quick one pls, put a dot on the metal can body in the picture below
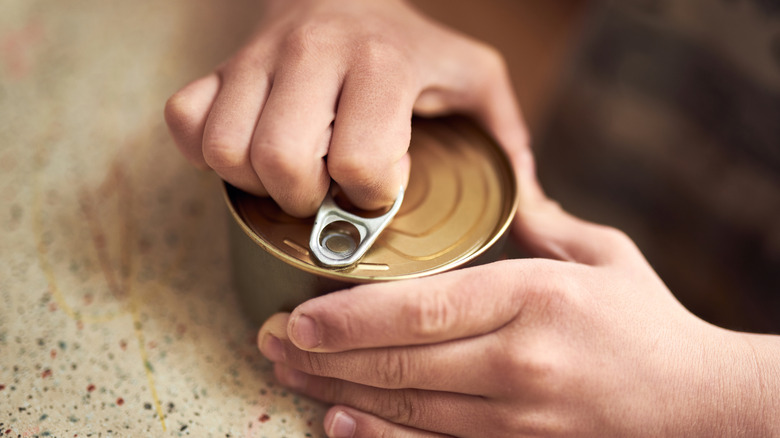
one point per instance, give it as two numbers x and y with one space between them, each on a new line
459 203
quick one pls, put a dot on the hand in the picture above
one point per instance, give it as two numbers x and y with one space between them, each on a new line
338 79
589 344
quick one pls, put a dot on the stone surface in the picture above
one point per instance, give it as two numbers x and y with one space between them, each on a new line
116 313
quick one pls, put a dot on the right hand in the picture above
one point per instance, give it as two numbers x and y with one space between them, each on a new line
339 79
583 341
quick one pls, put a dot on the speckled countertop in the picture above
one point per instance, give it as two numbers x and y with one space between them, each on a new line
116 313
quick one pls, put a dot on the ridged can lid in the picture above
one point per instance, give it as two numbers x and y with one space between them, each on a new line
459 202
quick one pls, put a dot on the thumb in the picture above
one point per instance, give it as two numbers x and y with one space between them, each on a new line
544 229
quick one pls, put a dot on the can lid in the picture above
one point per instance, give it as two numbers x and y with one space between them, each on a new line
460 200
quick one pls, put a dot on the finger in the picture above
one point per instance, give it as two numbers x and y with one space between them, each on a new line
544 229
186 113
346 422
452 305
486 93
230 125
368 155
493 103
293 136
460 366
441 412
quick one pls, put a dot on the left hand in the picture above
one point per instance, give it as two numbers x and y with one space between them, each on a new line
591 343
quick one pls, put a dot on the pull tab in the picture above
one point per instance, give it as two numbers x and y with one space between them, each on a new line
339 238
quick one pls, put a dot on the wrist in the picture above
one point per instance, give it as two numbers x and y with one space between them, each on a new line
745 383
719 386
762 412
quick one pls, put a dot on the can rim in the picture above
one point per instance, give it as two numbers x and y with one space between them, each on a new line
345 274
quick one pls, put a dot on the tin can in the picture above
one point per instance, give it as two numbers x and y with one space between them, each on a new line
458 206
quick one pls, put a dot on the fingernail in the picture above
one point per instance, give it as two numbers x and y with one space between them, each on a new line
342 426
272 348
304 331
292 378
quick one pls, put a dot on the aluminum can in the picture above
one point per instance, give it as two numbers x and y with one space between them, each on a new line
458 206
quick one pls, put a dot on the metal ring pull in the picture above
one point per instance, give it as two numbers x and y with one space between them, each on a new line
339 238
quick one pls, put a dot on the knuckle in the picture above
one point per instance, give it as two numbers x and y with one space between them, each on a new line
546 304
292 176
393 369
315 364
493 73
507 417
528 367
355 168
533 422
333 391
400 406
551 206
549 376
616 239
431 315
306 39
492 60
542 369
272 157
280 157
377 57
512 362
179 110
224 154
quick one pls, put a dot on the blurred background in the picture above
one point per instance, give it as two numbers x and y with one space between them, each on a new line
667 125
661 118
116 312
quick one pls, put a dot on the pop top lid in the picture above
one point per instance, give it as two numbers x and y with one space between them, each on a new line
460 200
